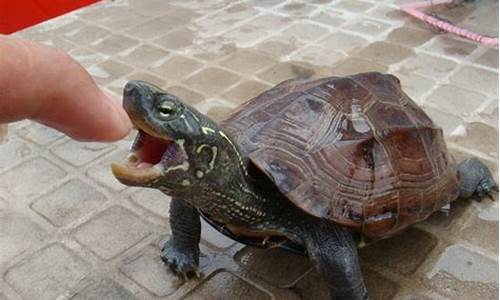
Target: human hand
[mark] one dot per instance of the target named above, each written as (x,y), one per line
(46,85)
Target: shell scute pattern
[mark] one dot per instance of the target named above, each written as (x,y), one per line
(356,150)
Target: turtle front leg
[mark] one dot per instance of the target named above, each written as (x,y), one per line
(181,252)
(333,250)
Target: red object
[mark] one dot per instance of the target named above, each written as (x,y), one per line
(18,14)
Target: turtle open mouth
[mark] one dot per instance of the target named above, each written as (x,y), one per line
(149,157)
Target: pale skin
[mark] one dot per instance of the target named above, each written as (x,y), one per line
(46,85)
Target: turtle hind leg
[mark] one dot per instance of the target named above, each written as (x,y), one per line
(475,179)
(333,250)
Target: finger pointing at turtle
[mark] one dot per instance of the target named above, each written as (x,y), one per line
(46,85)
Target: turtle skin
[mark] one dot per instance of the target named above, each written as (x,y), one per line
(355,150)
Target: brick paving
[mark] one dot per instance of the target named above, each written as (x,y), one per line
(69,230)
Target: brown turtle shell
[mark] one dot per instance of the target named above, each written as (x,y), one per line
(356,150)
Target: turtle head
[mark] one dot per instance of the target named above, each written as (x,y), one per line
(177,149)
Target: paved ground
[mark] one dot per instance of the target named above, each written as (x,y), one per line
(69,230)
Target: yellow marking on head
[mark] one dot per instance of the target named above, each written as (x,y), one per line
(198,150)
(211,164)
(207,130)
(195,117)
(190,129)
(235,150)
(185,165)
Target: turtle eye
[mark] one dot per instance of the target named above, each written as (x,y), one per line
(166,109)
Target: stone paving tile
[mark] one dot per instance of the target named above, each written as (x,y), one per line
(225,285)
(177,67)
(409,37)
(388,13)
(461,273)
(48,273)
(479,136)
(189,96)
(79,154)
(329,17)
(276,266)
(264,3)
(343,41)
(352,65)
(244,36)
(246,61)
(279,46)
(219,112)
(283,71)
(114,44)
(245,90)
(353,6)
(104,289)
(68,202)
(457,209)
(37,176)
(145,76)
(428,66)
(86,35)
(385,53)
(366,27)
(112,231)
(403,253)
(15,150)
(120,20)
(148,270)
(101,172)
(447,121)
(145,56)
(452,47)
(477,79)
(489,114)
(220,21)
(177,17)
(149,29)
(154,201)
(17,233)
(312,286)
(455,100)
(297,9)
(304,31)
(318,56)
(39,134)
(86,57)
(271,22)
(415,86)
(482,233)
(489,58)
(177,39)
(212,80)
(108,70)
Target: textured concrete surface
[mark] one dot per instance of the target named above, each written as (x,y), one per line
(68,229)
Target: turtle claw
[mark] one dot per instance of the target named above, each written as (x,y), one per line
(183,262)
(486,188)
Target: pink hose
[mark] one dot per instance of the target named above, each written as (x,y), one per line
(412,10)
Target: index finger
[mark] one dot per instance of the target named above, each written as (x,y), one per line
(47,85)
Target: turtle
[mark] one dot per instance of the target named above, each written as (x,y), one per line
(313,165)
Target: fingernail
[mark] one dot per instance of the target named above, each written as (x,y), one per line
(118,110)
